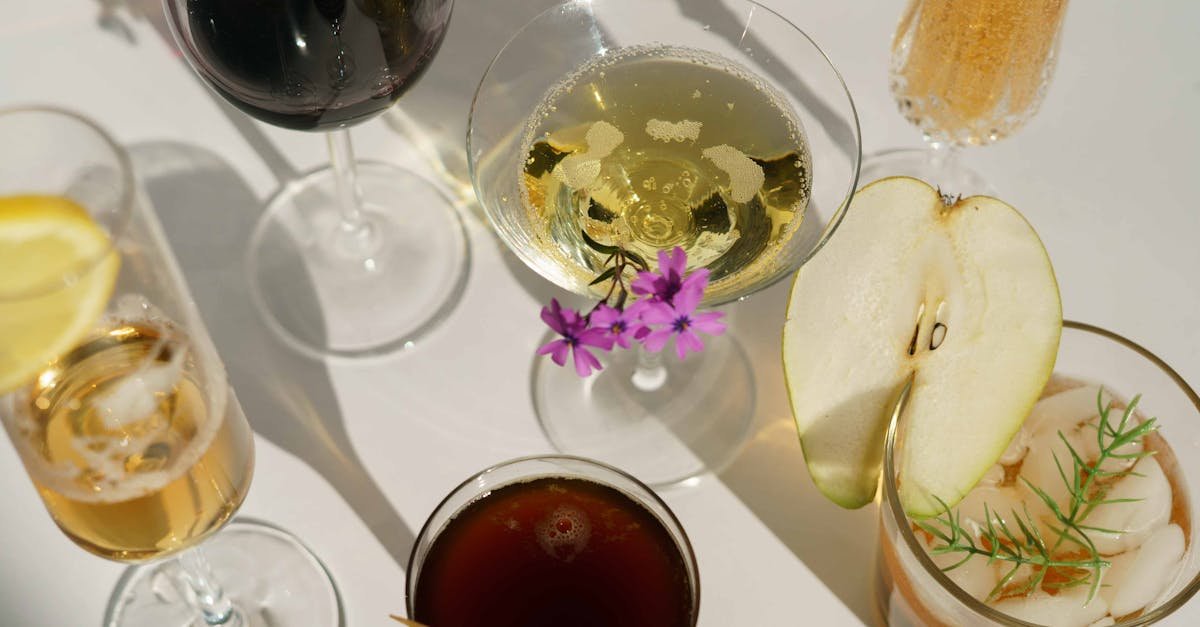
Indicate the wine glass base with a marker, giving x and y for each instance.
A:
(326, 299)
(269, 576)
(695, 421)
(949, 176)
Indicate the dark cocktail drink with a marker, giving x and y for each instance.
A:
(553, 549)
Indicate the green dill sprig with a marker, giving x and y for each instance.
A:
(1087, 486)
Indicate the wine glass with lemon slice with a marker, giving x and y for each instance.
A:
(114, 398)
(719, 128)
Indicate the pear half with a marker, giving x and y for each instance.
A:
(960, 297)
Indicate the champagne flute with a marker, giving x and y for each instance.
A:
(115, 399)
(731, 135)
(355, 259)
(967, 73)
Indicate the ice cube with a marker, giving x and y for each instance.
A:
(1041, 468)
(1068, 608)
(137, 395)
(1136, 520)
(993, 477)
(1065, 410)
(1001, 501)
(1137, 577)
(975, 576)
(1017, 447)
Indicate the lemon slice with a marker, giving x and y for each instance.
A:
(44, 241)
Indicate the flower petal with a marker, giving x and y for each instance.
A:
(657, 339)
(585, 362)
(596, 336)
(604, 316)
(643, 283)
(557, 350)
(658, 313)
(675, 262)
(552, 316)
(688, 341)
(688, 298)
(709, 322)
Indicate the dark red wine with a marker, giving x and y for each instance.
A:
(313, 64)
(553, 552)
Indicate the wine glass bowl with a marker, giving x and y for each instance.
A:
(966, 74)
(774, 71)
(346, 261)
(112, 392)
(718, 127)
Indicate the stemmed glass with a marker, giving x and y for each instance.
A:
(662, 419)
(116, 401)
(967, 73)
(356, 258)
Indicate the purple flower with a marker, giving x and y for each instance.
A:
(669, 281)
(576, 337)
(621, 325)
(679, 319)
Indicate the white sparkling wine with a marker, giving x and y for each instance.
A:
(124, 449)
(649, 148)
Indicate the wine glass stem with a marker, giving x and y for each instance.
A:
(355, 238)
(943, 157)
(215, 607)
(649, 374)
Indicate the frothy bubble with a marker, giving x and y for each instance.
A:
(745, 176)
(681, 131)
(582, 169)
(564, 534)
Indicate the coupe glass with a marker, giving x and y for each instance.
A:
(354, 259)
(967, 73)
(525, 469)
(662, 419)
(130, 432)
(910, 589)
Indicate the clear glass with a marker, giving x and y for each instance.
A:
(967, 73)
(909, 587)
(125, 422)
(358, 258)
(664, 420)
(528, 468)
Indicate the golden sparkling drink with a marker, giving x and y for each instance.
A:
(649, 148)
(124, 449)
(973, 71)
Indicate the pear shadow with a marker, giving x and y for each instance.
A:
(770, 477)
(208, 213)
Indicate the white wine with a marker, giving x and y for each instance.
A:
(648, 148)
(119, 439)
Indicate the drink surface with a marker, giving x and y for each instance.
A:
(1149, 538)
(973, 71)
(314, 64)
(121, 444)
(648, 148)
(550, 552)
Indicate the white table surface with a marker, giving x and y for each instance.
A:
(353, 457)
